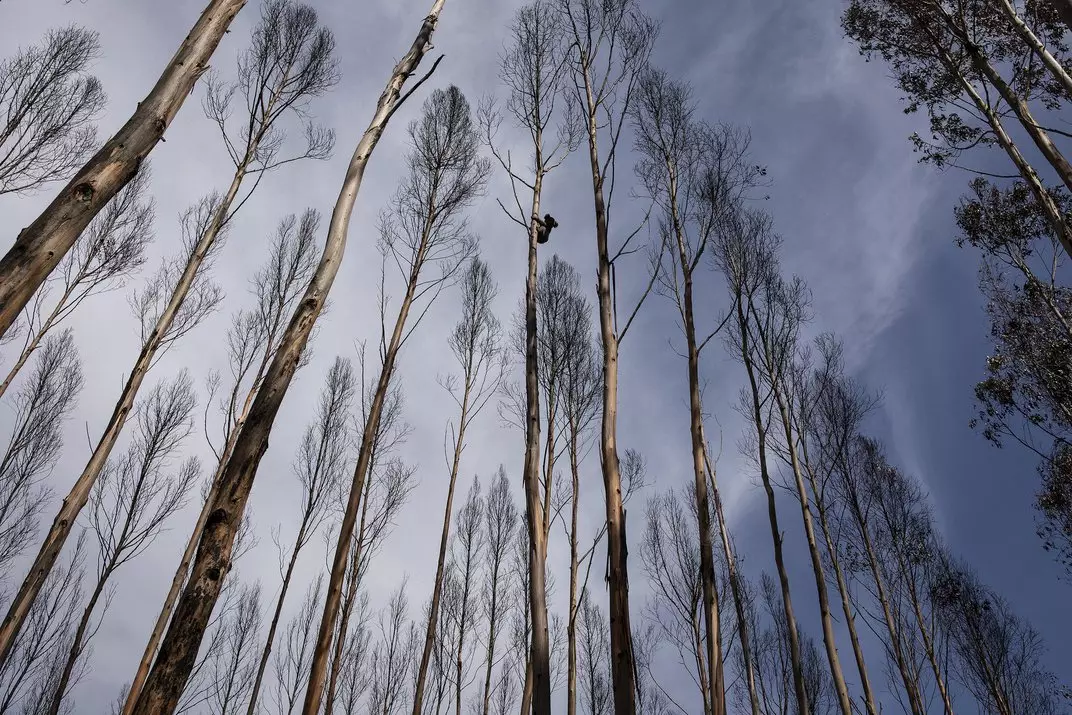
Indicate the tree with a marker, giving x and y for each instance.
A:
(131, 501)
(235, 662)
(476, 345)
(1025, 396)
(253, 340)
(107, 253)
(391, 658)
(532, 68)
(949, 61)
(767, 311)
(292, 660)
(321, 459)
(500, 525)
(595, 684)
(425, 227)
(216, 545)
(289, 61)
(694, 174)
(49, 103)
(42, 245)
(997, 655)
(609, 45)
(42, 404)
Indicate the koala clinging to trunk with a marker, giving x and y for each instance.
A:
(544, 226)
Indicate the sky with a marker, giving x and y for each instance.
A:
(867, 227)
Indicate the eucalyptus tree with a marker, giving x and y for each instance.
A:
(49, 103)
(696, 175)
(228, 504)
(424, 229)
(252, 341)
(1024, 397)
(43, 244)
(501, 517)
(533, 69)
(970, 71)
(288, 62)
(131, 502)
(608, 47)
(767, 312)
(477, 346)
(108, 252)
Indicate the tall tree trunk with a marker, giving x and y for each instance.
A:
(76, 499)
(716, 691)
(42, 245)
(827, 619)
(179, 648)
(743, 630)
(574, 571)
(540, 658)
(928, 645)
(772, 513)
(492, 636)
(437, 586)
(622, 665)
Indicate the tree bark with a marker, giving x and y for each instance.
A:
(571, 623)
(540, 658)
(179, 648)
(1052, 64)
(623, 667)
(437, 586)
(42, 245)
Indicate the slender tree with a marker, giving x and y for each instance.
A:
(253, 340)
(292, 660)
(107, 253)
(131, 501)
(609, 45)
(289, 61)
(49, 103)
(42, 245)
(533, 68)
(216, 546)
(767, 311)
(500, 525)
(425, 228)
(42, 405)
(476, 345)
(694, 174)
(233, 666)
(322, 458)
(391, 658)
(594, 677)
(464, 618)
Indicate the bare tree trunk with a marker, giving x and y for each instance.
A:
(928, 648)
(716, 690)
(526, 691)
(77, 645)
(623, 667)
(743, 629)
(772, 513)
(540, 659)
(179, 648)
(571, 623)
(42, 245)
(829, 639)
(437, 586)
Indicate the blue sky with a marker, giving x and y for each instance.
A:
(867, 227)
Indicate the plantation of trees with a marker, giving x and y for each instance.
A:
(563, 356)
